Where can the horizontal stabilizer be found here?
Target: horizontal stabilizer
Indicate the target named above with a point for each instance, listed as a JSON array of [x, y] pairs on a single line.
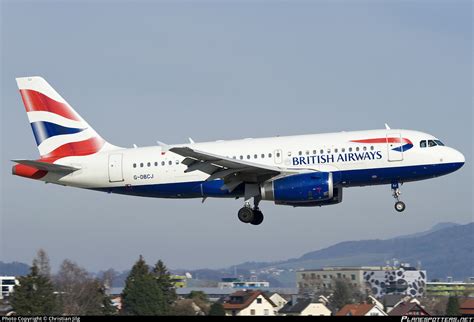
[[47, 166]]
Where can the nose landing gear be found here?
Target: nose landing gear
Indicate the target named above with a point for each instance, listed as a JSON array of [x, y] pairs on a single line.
[[399, 205], [249, 215]]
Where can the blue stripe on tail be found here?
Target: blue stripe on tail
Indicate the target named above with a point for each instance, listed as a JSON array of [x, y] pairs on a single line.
[[45, 130]]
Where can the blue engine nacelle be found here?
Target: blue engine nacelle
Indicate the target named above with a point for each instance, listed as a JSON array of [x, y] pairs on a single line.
[[299, 189]]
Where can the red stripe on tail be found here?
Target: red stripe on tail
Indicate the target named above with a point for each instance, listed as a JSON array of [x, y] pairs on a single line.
[[81, 148], [35, 101]]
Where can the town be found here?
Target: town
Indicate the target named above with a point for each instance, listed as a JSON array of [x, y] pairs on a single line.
[[398, 289]]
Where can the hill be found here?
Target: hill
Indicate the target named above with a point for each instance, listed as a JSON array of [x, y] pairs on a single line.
[[445, 250]]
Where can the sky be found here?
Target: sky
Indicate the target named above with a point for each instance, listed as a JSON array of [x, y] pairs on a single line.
[[139, 72]]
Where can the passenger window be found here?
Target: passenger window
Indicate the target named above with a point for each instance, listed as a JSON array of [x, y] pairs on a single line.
[[314, 151], [134, 165], [364, 148], [149, 164], [335, 150], [248, 156], [289, 153], [269, 155], [343, 150], [156, 164], [278, 154], [307, 152], [177, 161], [423, 144], [372, 147], [170, 162], [329, 151], [357, 148], [241, 157], [141, 165], [162, 162], [255, 156], [321, 151], [263, 156], [431, 143], [350, 149], [300, 152]]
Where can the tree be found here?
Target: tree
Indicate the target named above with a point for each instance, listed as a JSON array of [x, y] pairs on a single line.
[[452, 308], [217, 309], [163, 279], [42, 262], [344, 293], [34, 295], [79, 293], [200, 299], [142, 294], [185, 307]]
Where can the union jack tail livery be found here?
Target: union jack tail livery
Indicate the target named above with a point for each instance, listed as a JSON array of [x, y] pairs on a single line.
[[59, 131]]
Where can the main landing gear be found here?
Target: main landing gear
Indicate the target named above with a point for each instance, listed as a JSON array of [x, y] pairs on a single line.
[[249, 215], [399, 205]]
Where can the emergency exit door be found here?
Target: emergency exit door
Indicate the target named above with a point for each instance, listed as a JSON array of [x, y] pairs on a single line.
[[115, 168]]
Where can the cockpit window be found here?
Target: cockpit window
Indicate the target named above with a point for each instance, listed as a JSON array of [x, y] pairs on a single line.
[[438, 142], [431, 143], [423, 144]]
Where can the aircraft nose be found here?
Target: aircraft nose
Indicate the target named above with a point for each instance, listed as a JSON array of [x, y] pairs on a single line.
[[457, 158]]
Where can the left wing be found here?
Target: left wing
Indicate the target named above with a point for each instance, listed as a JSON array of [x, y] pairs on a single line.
[[233, 172]]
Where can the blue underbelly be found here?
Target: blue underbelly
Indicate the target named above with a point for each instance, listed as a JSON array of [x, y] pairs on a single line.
[[346, 178]]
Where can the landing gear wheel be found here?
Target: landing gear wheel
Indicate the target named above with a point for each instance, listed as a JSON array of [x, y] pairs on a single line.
[[257, 217], [245, 215], [400, 206]]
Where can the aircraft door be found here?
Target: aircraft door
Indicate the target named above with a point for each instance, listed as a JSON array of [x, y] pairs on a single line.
[[394, 147], [278, 157], [115, 167]]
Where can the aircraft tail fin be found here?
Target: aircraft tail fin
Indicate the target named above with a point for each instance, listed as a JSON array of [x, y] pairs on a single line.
[[58, 129]]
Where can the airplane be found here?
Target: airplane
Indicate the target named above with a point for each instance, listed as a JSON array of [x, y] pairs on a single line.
[[299, 171]]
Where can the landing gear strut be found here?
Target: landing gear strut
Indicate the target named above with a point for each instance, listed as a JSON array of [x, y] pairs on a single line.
[[249, 215], [399, 205]]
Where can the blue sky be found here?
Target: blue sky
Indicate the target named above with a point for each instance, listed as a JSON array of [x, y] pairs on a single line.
[[145, 71]]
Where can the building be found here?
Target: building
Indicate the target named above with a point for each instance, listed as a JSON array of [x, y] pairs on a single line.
[[375, 280], [450, 288], [466, 308], [244, 303], [389, 301], [363, 309], [409, 308], [7, 283], [238, 283], [305, 307], [277, 299], [178, 281]]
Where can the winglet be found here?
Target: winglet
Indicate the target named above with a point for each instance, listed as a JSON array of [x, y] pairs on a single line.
[[387, 127], [191, 140], [164, 146]]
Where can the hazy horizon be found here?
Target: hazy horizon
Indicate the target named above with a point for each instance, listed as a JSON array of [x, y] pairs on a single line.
[[139, 72]]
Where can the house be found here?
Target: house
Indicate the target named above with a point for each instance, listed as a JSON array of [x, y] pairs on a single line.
[[411, 307], [466, 308], [363, 309], [249, 303], [305, 307], [277, 299], [391, 300]]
